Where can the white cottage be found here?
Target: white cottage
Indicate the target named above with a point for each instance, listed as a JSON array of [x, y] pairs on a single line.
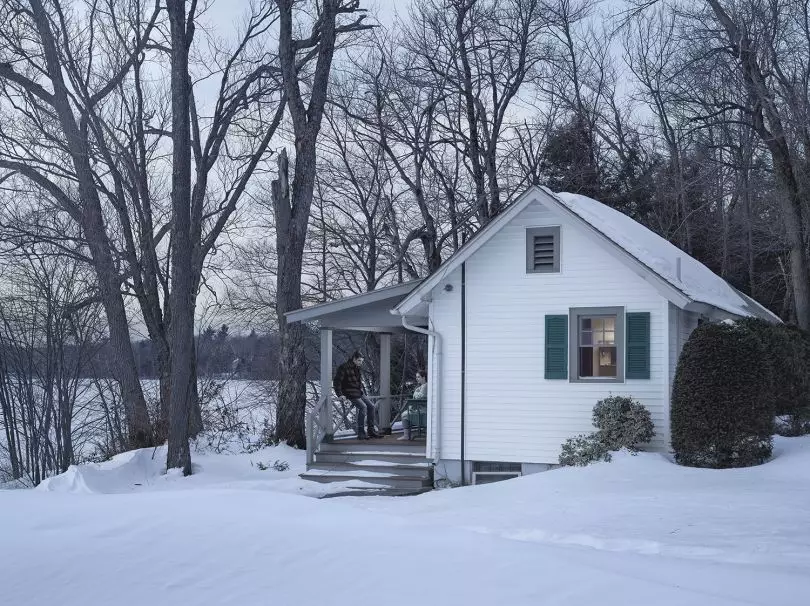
[[557, 303]]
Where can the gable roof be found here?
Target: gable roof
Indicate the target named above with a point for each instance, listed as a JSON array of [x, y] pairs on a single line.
[[677, 276]]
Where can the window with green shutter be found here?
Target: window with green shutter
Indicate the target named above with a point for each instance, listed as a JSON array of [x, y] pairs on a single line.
[[556, 347], [638, 345]]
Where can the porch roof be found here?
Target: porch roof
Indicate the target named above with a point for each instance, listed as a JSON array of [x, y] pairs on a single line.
[[370, 311]]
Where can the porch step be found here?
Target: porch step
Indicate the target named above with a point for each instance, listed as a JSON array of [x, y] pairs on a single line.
[[386, 466], [375, 467], [372, 446], [377, 491], [352, 456], [396, 482]]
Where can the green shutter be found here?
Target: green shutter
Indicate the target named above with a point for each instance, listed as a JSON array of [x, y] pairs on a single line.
[[638, 345], [556, 347]]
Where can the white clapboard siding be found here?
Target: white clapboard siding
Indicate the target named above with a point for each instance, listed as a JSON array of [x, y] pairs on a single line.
[[512, 413], [446, 319]]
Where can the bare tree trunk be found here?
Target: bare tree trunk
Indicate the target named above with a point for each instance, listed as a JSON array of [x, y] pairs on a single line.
[[462, 7], [291, 404], [292, 205], [137, 416], [183, 283]]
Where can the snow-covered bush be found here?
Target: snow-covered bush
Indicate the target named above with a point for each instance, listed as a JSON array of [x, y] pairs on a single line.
[[787, 351], [583, 450], [620, 422], [722, 408], [275, 466]]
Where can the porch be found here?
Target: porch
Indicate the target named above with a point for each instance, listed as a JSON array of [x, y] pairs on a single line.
[[334, 454]]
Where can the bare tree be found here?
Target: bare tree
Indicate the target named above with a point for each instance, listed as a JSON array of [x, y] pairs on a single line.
[[42, 80], [48, 338], [481, 52], [292, 198], [191, 242], [769, 41], [749, 61]]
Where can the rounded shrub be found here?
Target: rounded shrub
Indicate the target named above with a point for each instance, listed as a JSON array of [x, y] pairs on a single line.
[[722, 411], [622, 422], [787, 351]]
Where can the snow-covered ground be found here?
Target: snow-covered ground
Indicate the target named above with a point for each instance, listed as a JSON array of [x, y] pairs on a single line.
[[639, 530]]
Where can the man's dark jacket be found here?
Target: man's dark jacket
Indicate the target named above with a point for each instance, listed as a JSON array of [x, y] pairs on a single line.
[[348, 381]]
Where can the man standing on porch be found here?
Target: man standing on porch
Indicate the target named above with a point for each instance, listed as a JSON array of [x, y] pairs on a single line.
[[348, 384]]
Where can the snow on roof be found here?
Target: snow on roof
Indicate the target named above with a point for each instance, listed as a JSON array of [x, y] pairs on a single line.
[[696, 280]]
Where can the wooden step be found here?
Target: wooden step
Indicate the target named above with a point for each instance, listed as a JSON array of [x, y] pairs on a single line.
[[381, 467], [399, 482], [400, 458], [372, 446], [377, 491]]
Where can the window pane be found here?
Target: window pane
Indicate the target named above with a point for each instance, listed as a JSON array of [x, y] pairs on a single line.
[[586, 355], [607, 362], [585, 324], [585, 338], [609, 338], [609, 322]]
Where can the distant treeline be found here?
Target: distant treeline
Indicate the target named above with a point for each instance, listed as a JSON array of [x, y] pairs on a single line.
[[252, 356]]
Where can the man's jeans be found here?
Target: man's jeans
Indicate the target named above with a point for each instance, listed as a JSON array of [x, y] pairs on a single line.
[[365, 410]]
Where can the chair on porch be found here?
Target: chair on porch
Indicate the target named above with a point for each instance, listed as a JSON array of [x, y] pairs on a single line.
[[417, 408]]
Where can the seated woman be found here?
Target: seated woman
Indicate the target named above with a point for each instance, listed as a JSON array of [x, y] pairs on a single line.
[[410, 416]]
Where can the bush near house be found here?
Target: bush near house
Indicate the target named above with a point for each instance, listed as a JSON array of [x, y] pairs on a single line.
[[722, 411], [620, 422], [788, 354]]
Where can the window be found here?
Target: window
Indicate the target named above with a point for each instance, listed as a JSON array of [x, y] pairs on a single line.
[[597, 344], [543, 250], [487, 472]]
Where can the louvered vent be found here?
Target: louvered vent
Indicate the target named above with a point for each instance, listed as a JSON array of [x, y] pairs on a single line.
[[543, 249], [544, 252]]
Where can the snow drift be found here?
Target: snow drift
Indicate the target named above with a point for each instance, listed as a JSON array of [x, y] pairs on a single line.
[[638, 530]]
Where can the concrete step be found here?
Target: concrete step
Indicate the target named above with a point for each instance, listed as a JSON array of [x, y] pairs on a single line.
[[397, 482], [401, 458], [380, 467]]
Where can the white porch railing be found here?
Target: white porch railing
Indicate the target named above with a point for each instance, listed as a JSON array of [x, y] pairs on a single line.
[[317, 426]]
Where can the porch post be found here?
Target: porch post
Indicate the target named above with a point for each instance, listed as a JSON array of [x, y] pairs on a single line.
[[385, 383], [326, 378]]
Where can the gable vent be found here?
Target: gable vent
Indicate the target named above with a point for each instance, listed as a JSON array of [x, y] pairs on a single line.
[[544, 253], [543, 250]]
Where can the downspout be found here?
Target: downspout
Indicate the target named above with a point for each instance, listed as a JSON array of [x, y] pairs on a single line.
[[435, 378], [463, 362]]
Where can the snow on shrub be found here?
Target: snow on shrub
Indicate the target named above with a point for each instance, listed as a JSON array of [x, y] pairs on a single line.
[[722, 412], [787, 351], [620, 422]]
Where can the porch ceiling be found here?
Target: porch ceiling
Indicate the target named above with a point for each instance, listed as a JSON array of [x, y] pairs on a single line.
[[369, 311]]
